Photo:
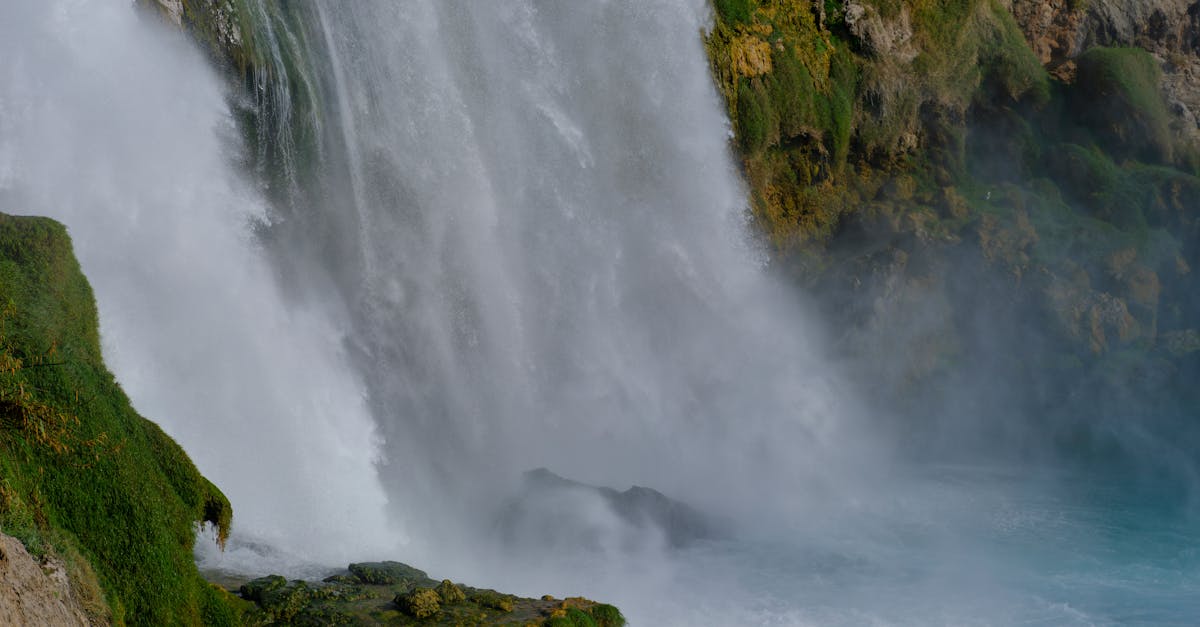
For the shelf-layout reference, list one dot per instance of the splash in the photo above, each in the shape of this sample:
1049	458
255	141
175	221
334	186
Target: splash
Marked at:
114	126
544	253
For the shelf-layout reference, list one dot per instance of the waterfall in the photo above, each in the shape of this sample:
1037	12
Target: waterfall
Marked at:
439	243
478	239
117	127
531	213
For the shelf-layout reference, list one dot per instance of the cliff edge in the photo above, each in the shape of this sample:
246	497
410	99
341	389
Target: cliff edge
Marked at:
84	480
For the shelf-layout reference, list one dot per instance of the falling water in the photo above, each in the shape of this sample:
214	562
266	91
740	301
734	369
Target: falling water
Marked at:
548	261
116	127
460	240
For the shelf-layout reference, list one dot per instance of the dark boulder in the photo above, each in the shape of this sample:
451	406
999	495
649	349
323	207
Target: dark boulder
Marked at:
550	508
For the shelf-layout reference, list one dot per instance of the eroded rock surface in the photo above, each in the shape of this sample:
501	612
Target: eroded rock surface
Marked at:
33	593
1060	30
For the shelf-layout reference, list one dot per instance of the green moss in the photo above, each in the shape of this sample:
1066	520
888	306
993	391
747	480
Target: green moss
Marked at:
734	11
1117	95
1011	70
450	593
387	573
419	603
78	467
843	78
494	600
607	615
755	119
575	617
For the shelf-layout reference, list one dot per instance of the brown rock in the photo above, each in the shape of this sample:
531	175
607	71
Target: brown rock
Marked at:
1168	29
885	38
33	593
751	56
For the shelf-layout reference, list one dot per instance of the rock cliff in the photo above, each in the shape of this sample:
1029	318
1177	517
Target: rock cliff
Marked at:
995	201
1059	31
35	593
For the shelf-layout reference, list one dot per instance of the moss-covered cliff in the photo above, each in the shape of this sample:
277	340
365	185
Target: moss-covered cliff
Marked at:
1003	226
101	494
82	475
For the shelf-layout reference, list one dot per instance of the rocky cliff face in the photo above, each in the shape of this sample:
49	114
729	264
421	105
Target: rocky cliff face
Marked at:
1061	30
996	201
35	593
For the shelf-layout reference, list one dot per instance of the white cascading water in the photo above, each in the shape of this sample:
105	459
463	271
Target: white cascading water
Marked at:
517	241
550	266
118	128
551	263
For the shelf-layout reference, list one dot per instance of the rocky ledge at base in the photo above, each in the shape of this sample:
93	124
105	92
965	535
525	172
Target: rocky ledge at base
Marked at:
392	593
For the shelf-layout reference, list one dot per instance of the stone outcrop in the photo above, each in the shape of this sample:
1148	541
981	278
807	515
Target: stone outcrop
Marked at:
35	593
393	593
1060	30
645	512
883	37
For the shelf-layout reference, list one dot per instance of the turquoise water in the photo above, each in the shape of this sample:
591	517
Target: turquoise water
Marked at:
988	547
945	546
948	546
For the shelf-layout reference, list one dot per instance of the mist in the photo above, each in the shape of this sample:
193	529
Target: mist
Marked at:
117	127
441	244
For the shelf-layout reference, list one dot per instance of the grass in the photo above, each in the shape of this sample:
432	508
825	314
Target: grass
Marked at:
734	11
81	473
1117	93
830	113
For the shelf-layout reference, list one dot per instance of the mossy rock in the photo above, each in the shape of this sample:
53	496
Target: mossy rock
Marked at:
450	593
255	589
420	603
585	614
387	573
573	617
1118	97
343	600
494	600
734	11
607	615
285	603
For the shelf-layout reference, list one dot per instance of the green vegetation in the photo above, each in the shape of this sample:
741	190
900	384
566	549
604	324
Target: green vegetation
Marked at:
81	474
734	11
823	115
391	593
914	163
1117	94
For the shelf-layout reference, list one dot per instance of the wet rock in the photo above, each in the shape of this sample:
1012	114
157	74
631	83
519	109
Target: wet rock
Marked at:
410	598
552	506
255	589
496	601
419	603
450	593
387	573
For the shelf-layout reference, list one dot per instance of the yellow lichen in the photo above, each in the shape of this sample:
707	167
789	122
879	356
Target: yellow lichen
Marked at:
750	56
